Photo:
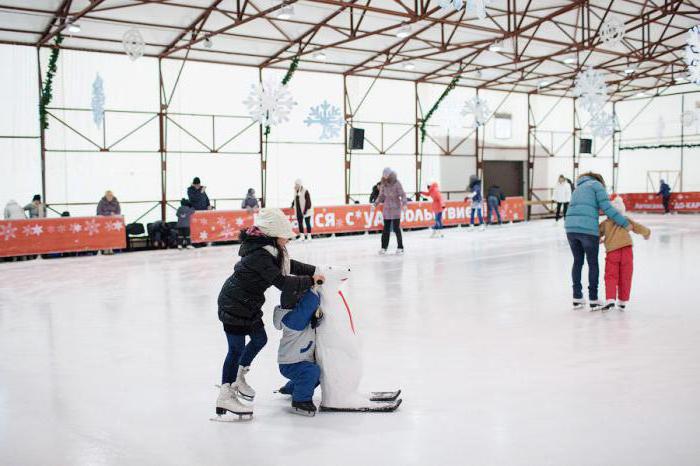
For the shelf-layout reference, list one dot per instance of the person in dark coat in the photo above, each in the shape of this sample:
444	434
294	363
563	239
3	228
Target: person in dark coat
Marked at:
250	203
302	206
494	198
184	214
375	192
197	195
474	195
109	205
264	263
665	193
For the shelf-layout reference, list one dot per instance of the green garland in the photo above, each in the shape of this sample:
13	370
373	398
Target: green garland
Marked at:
285	81
47	91
435	106
661	146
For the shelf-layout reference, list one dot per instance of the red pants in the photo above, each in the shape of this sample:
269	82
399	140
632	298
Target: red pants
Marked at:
619	265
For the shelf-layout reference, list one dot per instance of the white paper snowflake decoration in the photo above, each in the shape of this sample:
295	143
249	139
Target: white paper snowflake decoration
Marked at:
328	117
477	7
694	74
602	124
688	119
479	108
692	55
98	101
590	87
612	31
133	43
448	117
269	103
660	128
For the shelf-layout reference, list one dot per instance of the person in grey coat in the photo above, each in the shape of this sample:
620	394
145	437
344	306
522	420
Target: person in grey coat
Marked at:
109	205
36	208
250	203
393	200
295	357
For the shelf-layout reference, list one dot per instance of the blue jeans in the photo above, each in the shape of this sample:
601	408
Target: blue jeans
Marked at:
481	219
438	221
303	379
241	354
493	207
583	245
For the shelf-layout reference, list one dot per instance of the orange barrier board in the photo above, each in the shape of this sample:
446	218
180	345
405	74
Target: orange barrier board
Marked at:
647	202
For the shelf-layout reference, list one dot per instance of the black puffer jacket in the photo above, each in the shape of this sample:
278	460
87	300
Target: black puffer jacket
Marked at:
243	294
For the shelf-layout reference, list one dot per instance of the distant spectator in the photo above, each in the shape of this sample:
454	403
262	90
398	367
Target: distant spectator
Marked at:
562	196
665	193
474	194
198	196
302	206
375	192
184	214
250	203
493	199
393	200
109	205
36	208
13	211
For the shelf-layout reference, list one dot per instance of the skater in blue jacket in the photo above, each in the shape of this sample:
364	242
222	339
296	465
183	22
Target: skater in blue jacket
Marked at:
476	199
296	355
581	224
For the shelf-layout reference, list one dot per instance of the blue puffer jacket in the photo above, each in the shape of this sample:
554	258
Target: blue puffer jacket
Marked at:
587	201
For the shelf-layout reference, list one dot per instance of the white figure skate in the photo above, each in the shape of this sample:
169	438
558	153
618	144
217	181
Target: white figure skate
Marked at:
229	408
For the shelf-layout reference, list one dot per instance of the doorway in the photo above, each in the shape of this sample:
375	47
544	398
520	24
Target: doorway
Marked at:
506	174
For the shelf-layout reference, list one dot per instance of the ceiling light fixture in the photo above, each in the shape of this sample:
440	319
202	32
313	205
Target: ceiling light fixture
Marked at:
569	60
496	47
72	25
409	66
286	12
403	31
319	56
631	68
544	83
642	94
208	42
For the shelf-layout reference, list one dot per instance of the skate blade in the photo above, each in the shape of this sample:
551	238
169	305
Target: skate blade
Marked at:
232	417
301	412
378	408
385	396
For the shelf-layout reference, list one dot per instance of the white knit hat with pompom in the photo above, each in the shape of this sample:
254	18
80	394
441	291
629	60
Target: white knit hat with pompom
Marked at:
274	223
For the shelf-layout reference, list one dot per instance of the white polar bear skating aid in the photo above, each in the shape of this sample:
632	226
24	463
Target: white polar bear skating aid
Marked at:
338	354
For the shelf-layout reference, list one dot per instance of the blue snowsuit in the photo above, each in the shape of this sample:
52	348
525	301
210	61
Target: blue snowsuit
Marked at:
296	358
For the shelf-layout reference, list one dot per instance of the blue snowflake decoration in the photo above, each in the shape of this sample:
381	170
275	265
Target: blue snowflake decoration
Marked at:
329	117
98	101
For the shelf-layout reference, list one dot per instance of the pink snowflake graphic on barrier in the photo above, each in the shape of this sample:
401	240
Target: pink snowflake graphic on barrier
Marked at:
7	232
37	230
75	228
92	227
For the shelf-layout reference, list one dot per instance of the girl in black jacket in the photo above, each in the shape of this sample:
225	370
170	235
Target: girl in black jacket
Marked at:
264	263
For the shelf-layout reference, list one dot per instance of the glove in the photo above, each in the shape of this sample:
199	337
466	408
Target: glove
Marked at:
316	318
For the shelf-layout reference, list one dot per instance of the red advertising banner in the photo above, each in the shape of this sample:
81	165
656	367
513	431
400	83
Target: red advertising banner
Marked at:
648	202
213	226
64	234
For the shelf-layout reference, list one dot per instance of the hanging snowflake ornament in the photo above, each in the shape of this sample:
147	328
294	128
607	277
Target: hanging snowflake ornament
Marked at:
98	101
133	43
448	117
269	103
602	124
612	31
692	55
590	87
479	108
688	119
328	117
478	7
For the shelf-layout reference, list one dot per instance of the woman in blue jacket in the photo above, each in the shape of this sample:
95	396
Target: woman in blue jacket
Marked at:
581	224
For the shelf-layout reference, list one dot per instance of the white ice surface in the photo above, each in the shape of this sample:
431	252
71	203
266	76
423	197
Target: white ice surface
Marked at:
113	360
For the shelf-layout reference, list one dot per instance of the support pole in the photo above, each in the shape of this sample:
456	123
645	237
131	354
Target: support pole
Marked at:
575	133
42	132
347	151
616	137
531	150
682	139
417	145
162	149
262	138
479	154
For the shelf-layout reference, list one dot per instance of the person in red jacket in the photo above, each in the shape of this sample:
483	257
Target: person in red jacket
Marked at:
438	206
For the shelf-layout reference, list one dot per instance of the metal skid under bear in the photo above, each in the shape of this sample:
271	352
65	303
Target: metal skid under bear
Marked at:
338	355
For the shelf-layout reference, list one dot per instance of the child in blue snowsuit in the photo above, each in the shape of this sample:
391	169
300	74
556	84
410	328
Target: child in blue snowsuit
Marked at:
296	356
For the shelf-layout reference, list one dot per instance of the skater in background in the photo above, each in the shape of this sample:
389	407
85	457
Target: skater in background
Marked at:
474	196
264	263
109	206
665	193
438	206
250	203
36	208
562	196
619	261
375	192
581	223
184	217
493	200
296	355
302	206
393	200
197	195
13	211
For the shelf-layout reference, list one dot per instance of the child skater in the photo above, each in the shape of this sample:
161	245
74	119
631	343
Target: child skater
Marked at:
438	206
264	263
296	355
475	196
618	259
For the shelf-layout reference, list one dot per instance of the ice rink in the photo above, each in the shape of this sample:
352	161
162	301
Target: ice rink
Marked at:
113	360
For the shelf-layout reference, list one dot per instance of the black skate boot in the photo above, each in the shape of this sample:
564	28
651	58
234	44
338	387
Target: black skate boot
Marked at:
283	390
305	408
